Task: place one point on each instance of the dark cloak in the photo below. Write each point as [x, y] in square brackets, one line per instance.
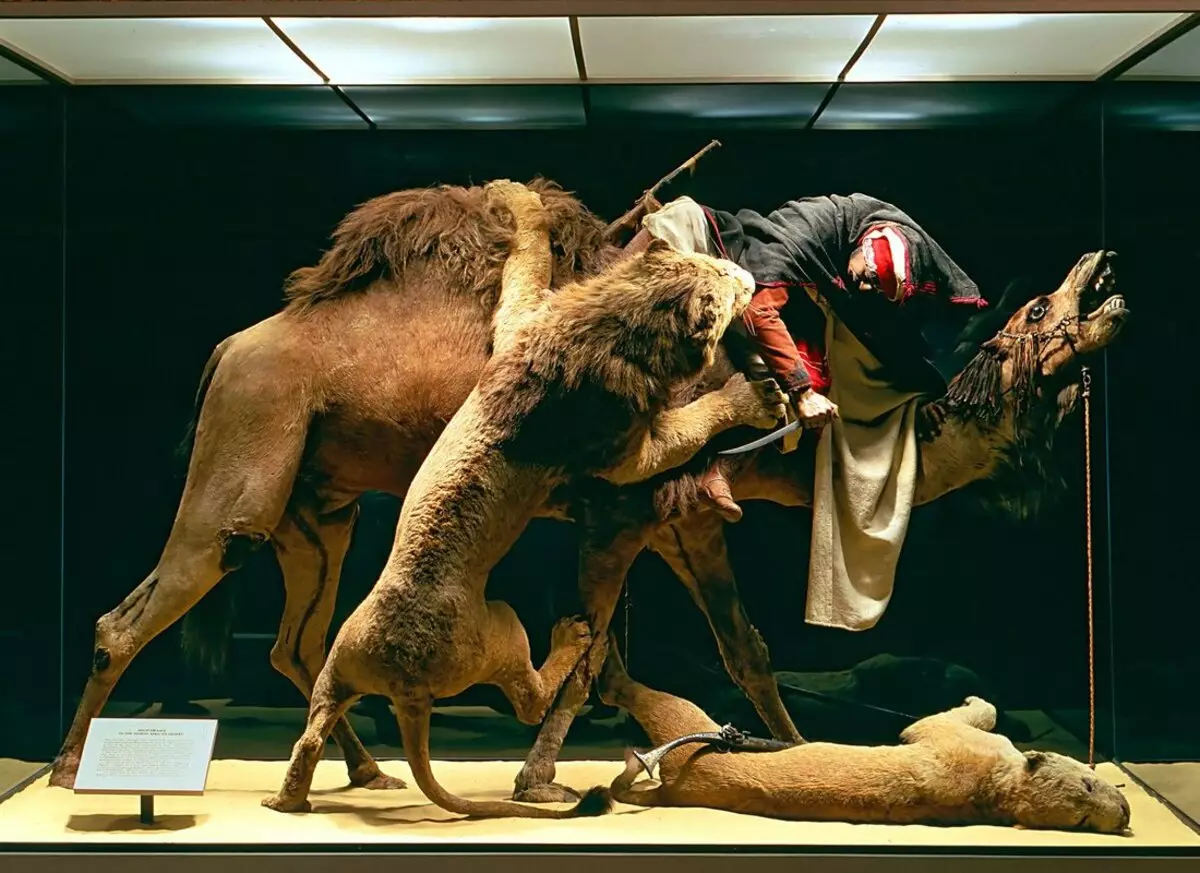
[810, 241]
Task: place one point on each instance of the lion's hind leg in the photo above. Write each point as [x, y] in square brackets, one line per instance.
[330, 700]
[531, 691]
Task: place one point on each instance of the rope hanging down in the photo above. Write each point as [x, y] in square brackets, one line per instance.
[1091, 600]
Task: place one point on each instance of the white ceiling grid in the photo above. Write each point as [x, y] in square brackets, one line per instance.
[393, 51]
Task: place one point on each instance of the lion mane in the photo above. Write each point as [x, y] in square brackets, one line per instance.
[581, 361]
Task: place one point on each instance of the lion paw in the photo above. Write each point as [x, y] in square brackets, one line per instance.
[514, 195]
[279, 803]
[571, 633]
[549, 792]
[759, 404]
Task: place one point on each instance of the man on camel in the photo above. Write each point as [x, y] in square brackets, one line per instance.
[848, 315]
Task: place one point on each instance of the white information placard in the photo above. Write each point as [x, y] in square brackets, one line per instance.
[146, 756]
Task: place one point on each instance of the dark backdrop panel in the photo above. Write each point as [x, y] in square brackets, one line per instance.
[179, 239]
[30, 357]
[1154, 385]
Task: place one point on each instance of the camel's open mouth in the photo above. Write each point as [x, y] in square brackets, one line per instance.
[1098, 299]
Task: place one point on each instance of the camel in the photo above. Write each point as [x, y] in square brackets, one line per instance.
[999, 414]
[346, 389]
[949, 769]
[605, 351]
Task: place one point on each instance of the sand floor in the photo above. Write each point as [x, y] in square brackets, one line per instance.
[230, 813]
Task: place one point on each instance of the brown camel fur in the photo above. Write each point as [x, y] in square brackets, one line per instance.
[346, 389]
[948, 770]
[605, 351]
[341, 392]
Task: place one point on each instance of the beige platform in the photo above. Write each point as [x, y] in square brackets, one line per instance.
[230, 813]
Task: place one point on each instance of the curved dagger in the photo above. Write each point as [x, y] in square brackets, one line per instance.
[728, 739]
[762, 441]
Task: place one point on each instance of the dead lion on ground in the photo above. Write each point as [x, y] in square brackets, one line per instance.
[949, 770]
[577, 386]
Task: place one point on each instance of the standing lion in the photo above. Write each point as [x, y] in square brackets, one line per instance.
[577, 386]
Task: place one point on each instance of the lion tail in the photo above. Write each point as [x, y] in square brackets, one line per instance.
[414, 731]
[622, 789]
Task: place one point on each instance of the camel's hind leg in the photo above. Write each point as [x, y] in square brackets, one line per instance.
[185, 573]
[249, 441]
[310, 548]
[329, 704]
[604, 561]
[531, 691]
[694, 547]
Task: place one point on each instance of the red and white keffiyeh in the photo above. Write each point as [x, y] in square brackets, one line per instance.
[886, 252]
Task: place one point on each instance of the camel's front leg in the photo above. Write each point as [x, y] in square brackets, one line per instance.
[604, 562]
[694, 547]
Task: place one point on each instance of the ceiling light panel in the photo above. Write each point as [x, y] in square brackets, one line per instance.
[795, 48]
[923, 48]
[1178, 60]
[409, 51]
[227, 51]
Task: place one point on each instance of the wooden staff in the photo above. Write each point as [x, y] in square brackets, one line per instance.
[648, 203]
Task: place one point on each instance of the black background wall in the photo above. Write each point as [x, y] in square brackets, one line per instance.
[1153, 385]
[177, 238]
[31, 286]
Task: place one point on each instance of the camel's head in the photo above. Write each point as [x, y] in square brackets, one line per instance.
[1080, 318]
[1041, 348]
[1049, 790]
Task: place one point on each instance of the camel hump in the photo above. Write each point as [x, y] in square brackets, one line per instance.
[459, 232]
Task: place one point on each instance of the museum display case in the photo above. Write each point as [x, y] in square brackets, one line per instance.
[165, 175]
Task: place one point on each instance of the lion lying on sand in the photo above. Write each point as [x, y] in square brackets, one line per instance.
[947, 770]
[577, 386]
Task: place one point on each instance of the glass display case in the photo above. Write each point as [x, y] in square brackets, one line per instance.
[247, 309]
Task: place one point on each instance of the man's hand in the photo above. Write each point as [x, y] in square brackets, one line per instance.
[814, 410]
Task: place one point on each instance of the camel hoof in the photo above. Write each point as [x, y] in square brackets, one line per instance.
[551, 792]
[381, 782]
[280, 804]
[62, 778]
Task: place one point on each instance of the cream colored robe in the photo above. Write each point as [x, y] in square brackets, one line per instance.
[866, 462]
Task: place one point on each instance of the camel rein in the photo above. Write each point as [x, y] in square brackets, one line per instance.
[1091, 599]
[1061, 329]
